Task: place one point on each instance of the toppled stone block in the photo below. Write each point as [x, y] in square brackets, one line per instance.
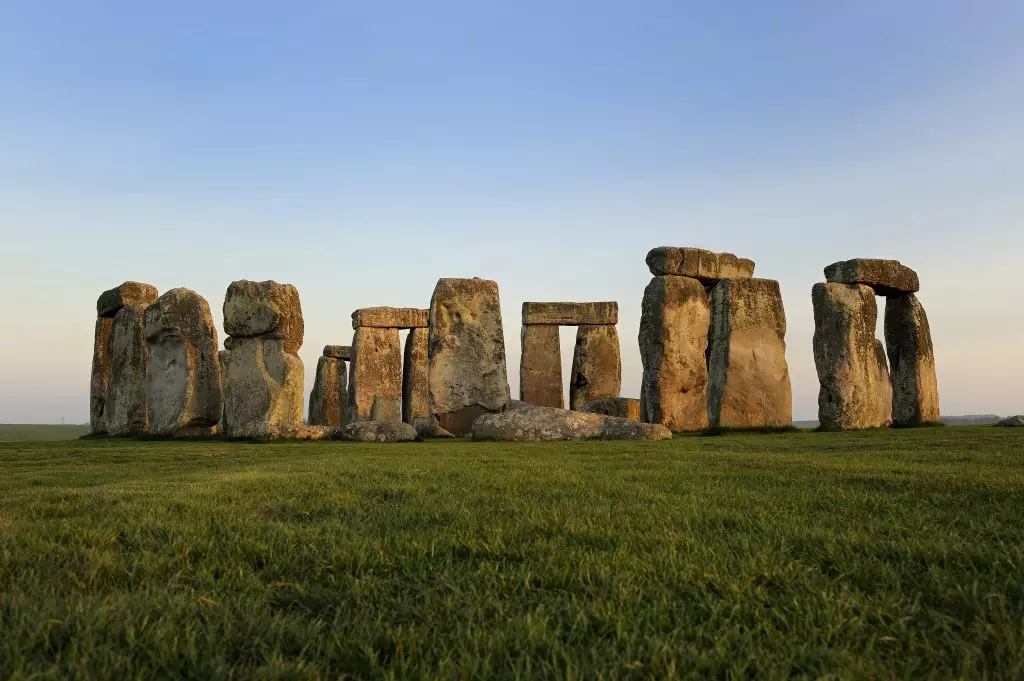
[749, 383]
[376, 369]
[674, 325]
[182, 374]
[328, 401]
[540, 367]
[129, 293]
[596, 365]
[415, 390]
[390, 318]
[908, 339]
[706, 266]
[886, 277]
[547, 424]
[620, 407]
[855, 390]
[264, 309]
[377, 431]
[338, 352]
[571, 314]
[468, 376]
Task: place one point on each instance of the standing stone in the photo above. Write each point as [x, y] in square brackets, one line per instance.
[183, 376]
[415, 388]
[540, 367]
[100, 375]
[376, 369]
[908, 338]
[596, 365]
[673, 340]
[263, 378]
[328, 401]
[468, 376]
[748, 375]
[855, 392]
[126, 412]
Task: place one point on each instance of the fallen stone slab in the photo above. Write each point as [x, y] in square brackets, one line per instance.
[390, 318]
[1011, 422]
[621, 407]
[128, 293]
[338, 352]
[908, 339]
[706, 266]
[886, 277]
[571, 314]
[548, 424]
[377, 431]
[264, 309]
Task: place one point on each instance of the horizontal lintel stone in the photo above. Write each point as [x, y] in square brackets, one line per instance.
[571, 314]
[390, 318]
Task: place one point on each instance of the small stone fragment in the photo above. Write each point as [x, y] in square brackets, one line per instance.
[547, 424]
[596, 365]
[571, 314]
[264, 309]
[620, 407]
[129, 293]
[908, 340]
[707, 266]
[376, 370]
[540, 367]
[390, 318]
[886, 277]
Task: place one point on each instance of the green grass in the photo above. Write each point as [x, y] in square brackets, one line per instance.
[876, 555]
[40, 432]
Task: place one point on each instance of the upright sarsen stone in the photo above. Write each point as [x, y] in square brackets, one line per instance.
[749, 383]
[467, 375]
[673, 340]
[376, 369]
[908, 338]
[596, 365]
[855, 392]
[328, 401]
[540, 366]
[415, 387]
[183, 376]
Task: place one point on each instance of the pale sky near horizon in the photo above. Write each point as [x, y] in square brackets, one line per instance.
[363, 150]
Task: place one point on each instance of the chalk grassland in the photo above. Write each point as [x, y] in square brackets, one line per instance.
[33, 432]
[886, 554]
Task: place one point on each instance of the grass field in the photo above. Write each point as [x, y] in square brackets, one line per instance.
[877, 555]
[34, 432]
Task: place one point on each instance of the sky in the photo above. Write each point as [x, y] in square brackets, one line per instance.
[363, 150]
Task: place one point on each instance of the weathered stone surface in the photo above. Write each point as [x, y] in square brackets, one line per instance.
[621, 407]
[129, 293]
[415, 388]
[125, 411]
[548, 424]
[386, 408]
[377, 431]
[747, 370]
[328, 401]
[596, 365]
[674, 325]
[468, 376]
[571, 314]
[376, 370]
[338, 352]
[100, 377]
[855, 392]
[908, 339]
[183, 378]
[264, 308]
[540, 367]
[263, 388]
[390, 318]
[886, 277]
[698, 263]
[1011, 422]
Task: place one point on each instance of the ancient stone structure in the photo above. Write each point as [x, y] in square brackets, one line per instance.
[467, 373]
[747, 370]
[546, 424]
[182, 371]
[117, 391]
[328, 400]
[857, 390]
[262, 375]
[377, 359]
[596, 365]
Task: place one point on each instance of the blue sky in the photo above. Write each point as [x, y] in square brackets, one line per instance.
[362, 150]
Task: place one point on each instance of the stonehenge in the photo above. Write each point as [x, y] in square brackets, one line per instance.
[859, 388]
[596, 364]
[328, 400]
[380, 374]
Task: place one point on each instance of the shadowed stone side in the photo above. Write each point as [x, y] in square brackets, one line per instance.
[468, 376]
[748, 374]
[622, 407]
[415, 390]
[264, 309]
[100, 377]
[886, 277]
[376, 370]
[855, 392]
[706, 266]
[328, 401]
[183, 377]
[596, 365]
[126, 412]
[547, 424]
[908, 338]
[390, 318]
[570, 314]
[673, 339]
[540, 367]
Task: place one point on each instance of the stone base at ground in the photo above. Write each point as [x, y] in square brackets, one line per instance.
[547, 424]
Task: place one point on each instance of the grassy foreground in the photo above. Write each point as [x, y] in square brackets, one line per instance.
[888, 554]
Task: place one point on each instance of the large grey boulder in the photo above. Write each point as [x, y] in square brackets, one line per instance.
[748, 374]
[596, 365]
[182, 376]
[673, 341]
[622, 407]
[125, 411]
[376, 370]
[377, 431]
[886, 277]
[415, 387]
[264, 309]
[571, 314]
[540, 366]
[908, 339]
[855, 391]
[328, 401]
[468, 376]
[706, 266]
[547, 424]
